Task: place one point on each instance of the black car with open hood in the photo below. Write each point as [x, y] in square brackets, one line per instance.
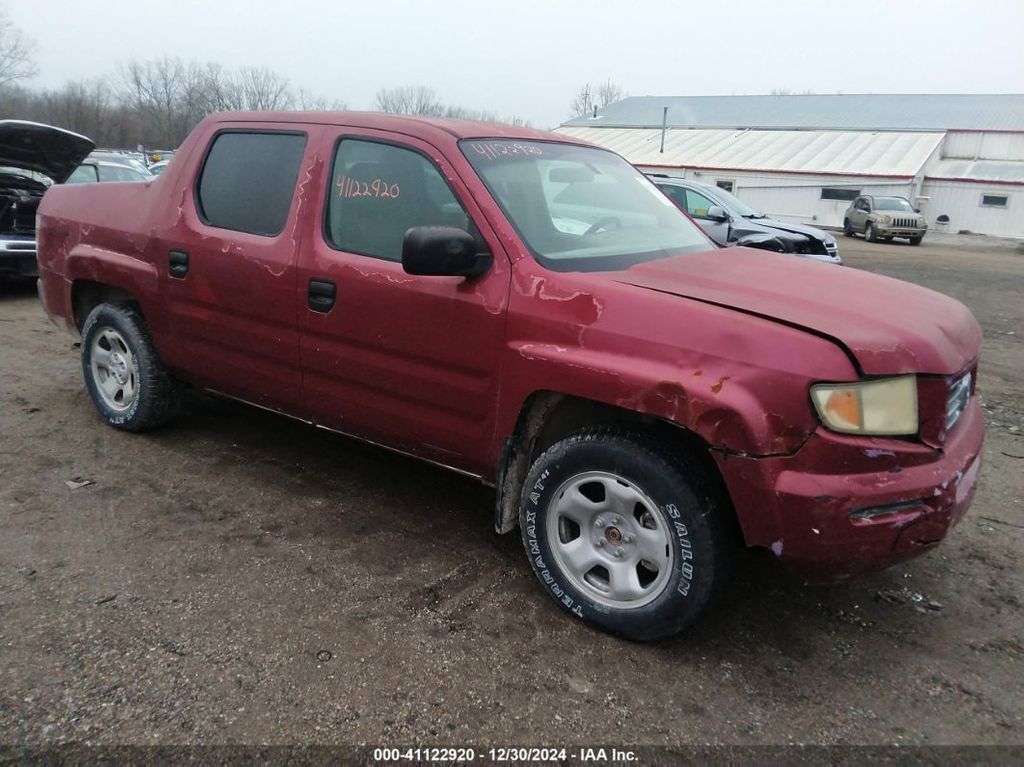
[32, 158]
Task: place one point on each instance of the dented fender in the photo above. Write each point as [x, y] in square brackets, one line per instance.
[740, 382]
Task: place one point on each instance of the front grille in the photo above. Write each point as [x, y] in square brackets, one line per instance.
[905, 223]
[956, 400]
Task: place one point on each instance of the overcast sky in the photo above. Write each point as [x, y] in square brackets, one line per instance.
[527, 58]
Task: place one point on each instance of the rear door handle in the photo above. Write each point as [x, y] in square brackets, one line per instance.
[321, 295]
[177, 264]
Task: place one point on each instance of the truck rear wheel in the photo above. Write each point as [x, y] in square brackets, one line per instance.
[128, 383]
[624, 534]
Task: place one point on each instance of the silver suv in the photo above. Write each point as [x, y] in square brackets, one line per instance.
[882, 218]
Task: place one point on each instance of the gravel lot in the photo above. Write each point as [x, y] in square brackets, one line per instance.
[238, 578]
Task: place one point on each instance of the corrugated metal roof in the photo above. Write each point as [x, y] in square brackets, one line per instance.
[824, 152]
[911, 112]
[1003, 171]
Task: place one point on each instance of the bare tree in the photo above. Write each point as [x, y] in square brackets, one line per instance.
[169, 97]
[421, 100]
[308, 102]
[15, 52]
[263, 89]
[221, 92]
[609, 92]
[85, 104]
[583, 101]
[588, 97]
[409, 100]
[154, 91]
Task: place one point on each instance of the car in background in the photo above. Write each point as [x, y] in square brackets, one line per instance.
[158, 155]
[158, 167]
[33, 157]
[135, 161]
[727, 220]
[124, 160]
[882, 218]
[92, 171]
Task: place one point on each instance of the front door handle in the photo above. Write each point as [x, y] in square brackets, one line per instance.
[177, 264]
[321, 295]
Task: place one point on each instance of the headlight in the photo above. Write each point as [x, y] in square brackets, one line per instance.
[886, 219]
[885, 406]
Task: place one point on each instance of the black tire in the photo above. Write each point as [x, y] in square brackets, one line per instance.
[699, 531]
[156, 395]
[916, 240]
[847, 227]
[869, 232]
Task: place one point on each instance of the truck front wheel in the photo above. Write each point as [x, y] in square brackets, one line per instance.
[128, 383]
[624, 534]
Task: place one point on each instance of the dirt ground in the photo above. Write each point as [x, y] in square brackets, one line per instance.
[238, 578]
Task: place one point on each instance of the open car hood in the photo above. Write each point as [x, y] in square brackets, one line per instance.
[887, 325]
[54, 152]
[785, 226]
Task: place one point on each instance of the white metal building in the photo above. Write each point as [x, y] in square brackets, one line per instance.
[960, 158]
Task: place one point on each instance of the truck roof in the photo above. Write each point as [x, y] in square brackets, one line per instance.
[411, 124]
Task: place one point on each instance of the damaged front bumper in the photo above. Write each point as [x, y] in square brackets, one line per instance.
[845, 505]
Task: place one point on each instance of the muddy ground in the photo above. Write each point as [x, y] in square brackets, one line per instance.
[239, 578]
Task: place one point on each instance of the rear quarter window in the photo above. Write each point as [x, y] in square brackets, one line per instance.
[248, 180]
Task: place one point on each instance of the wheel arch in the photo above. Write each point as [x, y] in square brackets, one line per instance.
[548, 416]
[86, 295]
[95, 275]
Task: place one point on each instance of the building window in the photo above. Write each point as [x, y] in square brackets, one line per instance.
[994, 200]
[726, 184]
[840, 194]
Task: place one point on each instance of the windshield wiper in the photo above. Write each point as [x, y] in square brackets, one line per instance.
[755, 215]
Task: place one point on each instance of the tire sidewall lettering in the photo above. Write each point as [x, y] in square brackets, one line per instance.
[684, 552]
[678, 515]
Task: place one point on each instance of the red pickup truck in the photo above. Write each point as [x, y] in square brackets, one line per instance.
[530, 310]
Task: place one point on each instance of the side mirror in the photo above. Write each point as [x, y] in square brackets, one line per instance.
[917, 210]
[443, 251]
[717, 213]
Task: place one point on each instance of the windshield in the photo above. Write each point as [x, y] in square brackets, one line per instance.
[893, 203]
[735, 204]
[580, 208]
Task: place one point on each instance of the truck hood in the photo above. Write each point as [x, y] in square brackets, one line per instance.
[887, 326]
[54, 152]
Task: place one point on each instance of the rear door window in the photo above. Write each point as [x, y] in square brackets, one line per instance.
[248, 181]
[379, 191]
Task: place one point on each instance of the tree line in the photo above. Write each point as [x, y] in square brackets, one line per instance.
[154, 103]
[157, 102]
